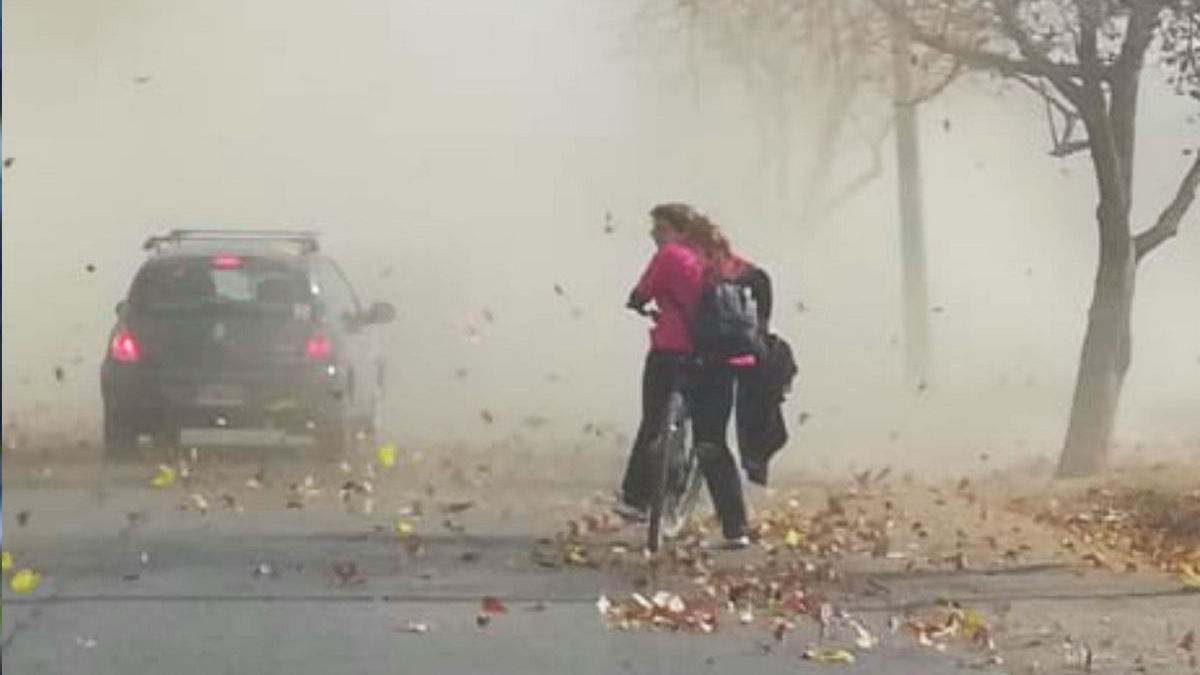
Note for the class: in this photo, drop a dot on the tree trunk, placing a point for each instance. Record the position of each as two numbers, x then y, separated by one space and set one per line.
1105 358
912 226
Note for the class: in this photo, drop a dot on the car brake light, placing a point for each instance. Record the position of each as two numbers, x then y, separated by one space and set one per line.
225 262
125 347
318 347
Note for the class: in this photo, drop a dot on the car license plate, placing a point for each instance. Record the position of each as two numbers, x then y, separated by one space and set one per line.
219 395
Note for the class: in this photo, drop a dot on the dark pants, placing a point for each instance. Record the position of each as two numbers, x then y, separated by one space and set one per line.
658 375
710 397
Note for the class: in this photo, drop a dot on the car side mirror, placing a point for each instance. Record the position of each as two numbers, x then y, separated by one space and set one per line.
380 312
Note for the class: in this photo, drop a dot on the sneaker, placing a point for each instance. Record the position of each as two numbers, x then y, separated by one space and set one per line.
637 514
731 544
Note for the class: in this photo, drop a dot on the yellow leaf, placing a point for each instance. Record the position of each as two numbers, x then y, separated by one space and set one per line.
6 562
973 623
25 581
576 555
387 455
404 528
164 477
826 655
793 538
1190 576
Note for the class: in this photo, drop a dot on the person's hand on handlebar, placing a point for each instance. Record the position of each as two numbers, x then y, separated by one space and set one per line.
638 305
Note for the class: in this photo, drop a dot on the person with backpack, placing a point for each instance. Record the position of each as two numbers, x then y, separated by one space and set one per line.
728 335
732 328
707 328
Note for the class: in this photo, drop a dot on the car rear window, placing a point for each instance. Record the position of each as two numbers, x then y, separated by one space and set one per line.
220 280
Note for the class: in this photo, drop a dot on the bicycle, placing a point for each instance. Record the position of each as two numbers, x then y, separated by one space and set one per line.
674 464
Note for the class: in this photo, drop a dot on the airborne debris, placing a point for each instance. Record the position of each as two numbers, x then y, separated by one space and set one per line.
493 605
415 627
828 655
163 477
199 502
386 454
346 573
25 581
457 507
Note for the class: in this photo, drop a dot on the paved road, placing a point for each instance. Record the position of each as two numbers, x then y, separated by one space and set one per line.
199 606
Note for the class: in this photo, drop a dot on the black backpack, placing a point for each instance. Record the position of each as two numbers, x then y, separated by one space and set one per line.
726 320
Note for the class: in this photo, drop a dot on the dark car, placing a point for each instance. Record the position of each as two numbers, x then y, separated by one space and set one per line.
227 329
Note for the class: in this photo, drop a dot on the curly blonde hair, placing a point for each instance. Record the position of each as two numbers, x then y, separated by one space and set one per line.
697 229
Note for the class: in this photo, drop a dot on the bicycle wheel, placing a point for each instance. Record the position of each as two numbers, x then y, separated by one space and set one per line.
674 467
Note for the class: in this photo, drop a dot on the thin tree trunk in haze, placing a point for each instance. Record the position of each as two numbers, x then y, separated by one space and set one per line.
912 235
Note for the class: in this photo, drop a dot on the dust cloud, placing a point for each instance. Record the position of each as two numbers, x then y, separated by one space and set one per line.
464 159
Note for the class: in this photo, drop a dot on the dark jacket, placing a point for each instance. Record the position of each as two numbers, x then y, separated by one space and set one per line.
761 429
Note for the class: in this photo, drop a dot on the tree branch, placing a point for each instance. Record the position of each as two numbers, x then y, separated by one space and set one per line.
856 185
981 58
937 89
1167 225
1007 10
1039 88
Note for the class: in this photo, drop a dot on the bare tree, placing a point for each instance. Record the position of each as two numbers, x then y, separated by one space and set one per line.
1086 59
816 65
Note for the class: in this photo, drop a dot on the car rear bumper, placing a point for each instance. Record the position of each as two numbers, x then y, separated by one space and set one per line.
297 399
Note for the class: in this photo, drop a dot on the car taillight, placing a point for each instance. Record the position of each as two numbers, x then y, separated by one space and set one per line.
125 347
318 347
225 261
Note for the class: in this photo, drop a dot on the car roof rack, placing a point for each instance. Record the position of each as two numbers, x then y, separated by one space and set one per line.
306 239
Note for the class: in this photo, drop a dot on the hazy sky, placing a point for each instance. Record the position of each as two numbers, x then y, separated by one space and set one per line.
473 148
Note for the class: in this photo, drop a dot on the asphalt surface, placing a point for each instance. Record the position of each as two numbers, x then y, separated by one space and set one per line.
134 583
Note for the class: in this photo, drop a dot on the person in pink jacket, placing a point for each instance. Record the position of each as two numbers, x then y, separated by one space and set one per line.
673 281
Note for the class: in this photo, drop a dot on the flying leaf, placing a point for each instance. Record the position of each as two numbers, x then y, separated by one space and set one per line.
493 605
386 455
827 655
25 581
163 477
1190 576
199 501
404 527
415 627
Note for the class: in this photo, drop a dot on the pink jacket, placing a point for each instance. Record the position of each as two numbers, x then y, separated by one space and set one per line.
673 280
